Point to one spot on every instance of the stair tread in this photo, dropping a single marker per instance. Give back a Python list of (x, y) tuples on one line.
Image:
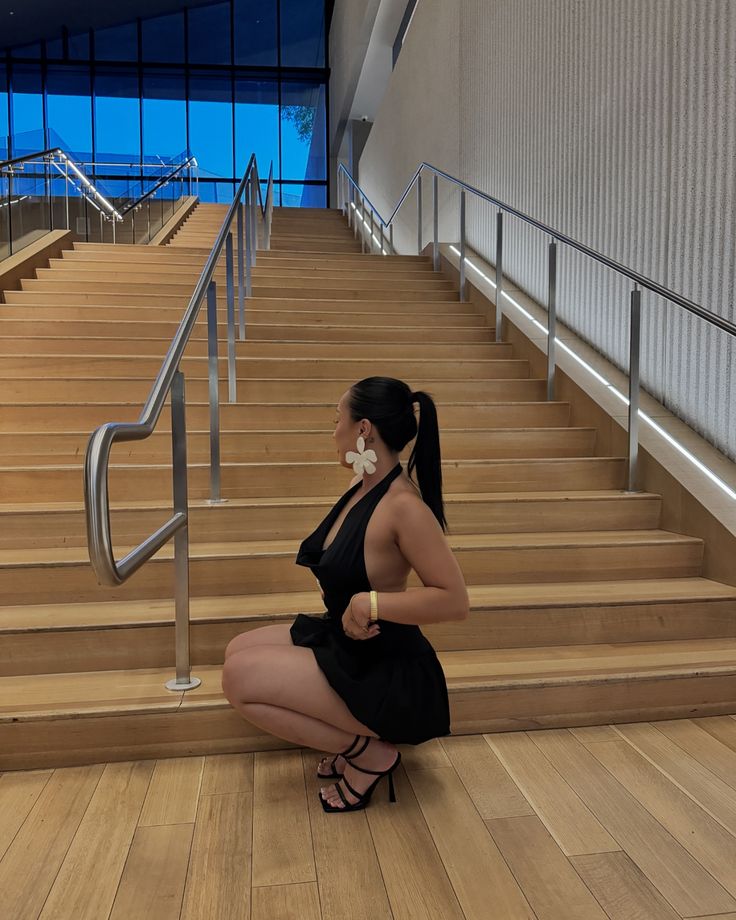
[(70, 555), (41, 696), (328, 500), (284, 605)]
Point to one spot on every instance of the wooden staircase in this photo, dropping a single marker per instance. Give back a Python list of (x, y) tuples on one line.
[(583, 610)]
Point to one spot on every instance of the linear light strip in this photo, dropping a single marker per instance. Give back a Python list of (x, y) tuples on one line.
[(366, 224), (624, 399)]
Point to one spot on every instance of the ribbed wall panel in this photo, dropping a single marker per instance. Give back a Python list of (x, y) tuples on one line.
[(614, 122)]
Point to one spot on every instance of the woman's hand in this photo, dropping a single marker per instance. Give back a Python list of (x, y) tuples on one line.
[(356, 619)]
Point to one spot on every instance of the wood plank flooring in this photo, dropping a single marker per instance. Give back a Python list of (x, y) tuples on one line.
[(627, 822)]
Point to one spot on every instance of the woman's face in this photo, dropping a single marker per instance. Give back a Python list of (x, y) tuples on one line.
[(346, 430)]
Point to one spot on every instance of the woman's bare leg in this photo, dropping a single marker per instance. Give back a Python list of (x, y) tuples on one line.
[(262, 635)]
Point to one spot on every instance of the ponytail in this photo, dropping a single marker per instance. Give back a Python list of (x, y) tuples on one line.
[(425, 457), (389, 404)]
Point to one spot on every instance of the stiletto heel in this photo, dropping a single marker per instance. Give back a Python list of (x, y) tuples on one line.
[(363, 798)]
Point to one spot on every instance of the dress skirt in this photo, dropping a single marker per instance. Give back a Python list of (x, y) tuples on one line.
[(394, 683)]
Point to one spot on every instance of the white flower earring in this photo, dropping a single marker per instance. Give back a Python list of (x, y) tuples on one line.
[(364, 461)]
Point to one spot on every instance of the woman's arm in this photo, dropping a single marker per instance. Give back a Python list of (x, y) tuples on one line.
[(424, 546)]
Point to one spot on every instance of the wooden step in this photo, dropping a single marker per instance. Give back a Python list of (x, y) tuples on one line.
[(416, 369), (361, 291), (63, 638), (253, 480), (165, 276), (32, 390), (37, 576), (95, 322), (58, 524), (64, 719), (287, 416), (266, 261), (37, 448), (63, 343)]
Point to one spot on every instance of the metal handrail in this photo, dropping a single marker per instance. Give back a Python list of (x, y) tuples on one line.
[(107, 209), (164, 180), (348, 189), (96, 493), (639, 279)]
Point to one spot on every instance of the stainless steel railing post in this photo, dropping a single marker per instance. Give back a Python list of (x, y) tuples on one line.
[(634, 357), (183, 679), (462, 245), (214, 393), (370, 238), (420, 235), (551, 316), (435, 223), (362, 225), (391, 239), (499, 275), (241, 273), (253, 217), (229, 277), (248, 244), (66, 191)]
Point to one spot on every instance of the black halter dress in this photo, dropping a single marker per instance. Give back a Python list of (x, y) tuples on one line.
[(392, 683)]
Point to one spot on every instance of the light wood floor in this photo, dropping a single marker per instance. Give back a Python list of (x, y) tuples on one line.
[(632, 822)]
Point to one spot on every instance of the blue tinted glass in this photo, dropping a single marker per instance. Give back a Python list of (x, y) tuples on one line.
[(26, 101), (3, 113), (27, 51), (256, 125), (303, 33), (303, 131), (55, 49), (217, 192), (117, 116), (117, 44), (69, 108), (209, 34), (163, 39), (211, 123), (79, 47), (164, 114), (303, 196), (256, 41)]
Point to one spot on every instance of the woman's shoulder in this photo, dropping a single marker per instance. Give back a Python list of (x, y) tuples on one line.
[(403, 492)]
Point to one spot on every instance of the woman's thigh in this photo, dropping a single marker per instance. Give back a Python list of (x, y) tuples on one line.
[(290, 678), (264, 635)]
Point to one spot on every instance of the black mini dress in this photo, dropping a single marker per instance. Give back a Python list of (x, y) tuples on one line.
[(392, 683)]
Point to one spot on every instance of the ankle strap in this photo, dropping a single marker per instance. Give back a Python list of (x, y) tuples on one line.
[(365, 744)]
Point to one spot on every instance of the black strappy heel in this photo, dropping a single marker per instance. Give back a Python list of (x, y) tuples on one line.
[(363, 797), (334, 774)]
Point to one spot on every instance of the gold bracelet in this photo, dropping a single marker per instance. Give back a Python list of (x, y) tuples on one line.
[(374, 606)]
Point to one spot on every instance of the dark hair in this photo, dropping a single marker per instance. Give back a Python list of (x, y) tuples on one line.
[(389, 404)]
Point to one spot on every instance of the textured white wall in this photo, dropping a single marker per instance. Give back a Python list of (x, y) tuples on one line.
[(419, 120), (613, 121)]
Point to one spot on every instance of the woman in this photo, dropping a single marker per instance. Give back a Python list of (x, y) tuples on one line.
[(347, 681)]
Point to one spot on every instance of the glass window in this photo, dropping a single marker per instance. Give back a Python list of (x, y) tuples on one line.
[(164, 114), (26, 100), (257, 125), (79, 47), (209, 34), (163, 39), (117, 116), (117, 44), (302, 33), (69, 109), (4, 128), (55, 50), (303, 196), (211, 123), (27, 51), (256, 41), (303, 131)]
